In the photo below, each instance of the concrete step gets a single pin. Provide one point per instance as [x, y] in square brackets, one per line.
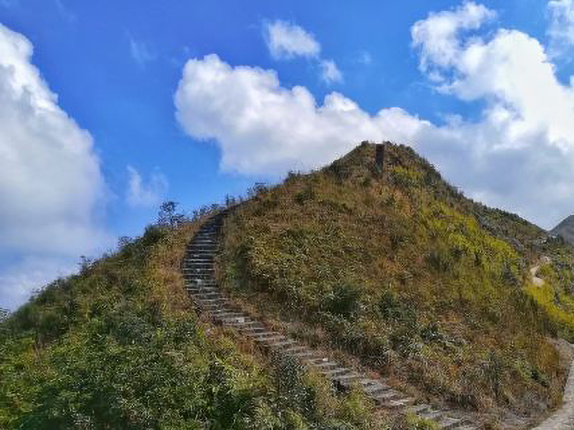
[449, 423]
[190, 262]
[207, 307]
[375, 391]
[198, 276]
[227, 310]
[198, 265]
[251, 331]
[302, 355]
[416, 409]
[201, 290]
[202, 247]
[212, 301]
[347, 377]
[264, 335]
[191, 269]
[373, 385]
[430, 414]
[199, 272]
[389, 394]
[206, 295]
[334, 371]
[206, 283]
[249, 323]
[201, 254]
[202, 283]
[269, 340]
[326, 365]
[284, 344]
[201, 251]
[190, 253]
[294, 349]
[318, 360]
[198, 279]
[397, 404]
[223, 313]
[214, 306]
[227, 319]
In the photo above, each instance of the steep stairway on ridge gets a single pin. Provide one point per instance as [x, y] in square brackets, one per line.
[199, 274]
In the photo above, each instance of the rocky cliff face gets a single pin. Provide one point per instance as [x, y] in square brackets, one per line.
[565, 229]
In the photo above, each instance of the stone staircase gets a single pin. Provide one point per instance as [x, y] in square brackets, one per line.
[198, 269]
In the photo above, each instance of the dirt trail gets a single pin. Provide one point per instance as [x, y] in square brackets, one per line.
[563, 418]
[539, 282]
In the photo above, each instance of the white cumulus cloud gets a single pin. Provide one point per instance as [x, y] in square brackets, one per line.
[30, 273]
[517, 155]
[286, 40]
[330, 73]
[438, 36]
[263, 127]
[51, 186]
[145, 194]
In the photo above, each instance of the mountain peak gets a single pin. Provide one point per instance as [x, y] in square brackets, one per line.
[565, 229]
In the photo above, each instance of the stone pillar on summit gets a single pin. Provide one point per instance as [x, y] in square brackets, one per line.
[380, 156]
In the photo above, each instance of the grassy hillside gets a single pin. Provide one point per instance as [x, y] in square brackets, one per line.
[118, 347]
[556, 296]
[401, 273]
[396, 272]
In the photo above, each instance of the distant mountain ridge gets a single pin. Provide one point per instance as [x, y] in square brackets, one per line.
[565, 229]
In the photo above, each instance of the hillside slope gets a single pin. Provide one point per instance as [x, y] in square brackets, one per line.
[402, 274]
[119, 346]
[393, 273]
[565, 229]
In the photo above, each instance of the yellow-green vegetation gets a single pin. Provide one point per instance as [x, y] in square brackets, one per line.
[403, 273]
[119, 347]
[556, 295]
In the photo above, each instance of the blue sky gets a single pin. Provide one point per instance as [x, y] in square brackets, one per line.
[268, 87]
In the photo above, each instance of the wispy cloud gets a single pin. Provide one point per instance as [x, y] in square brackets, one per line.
[560, 27]
[286, 40]
[365, 58]
[65, 12]
[330, 73]
[140, 51]
[142, 194]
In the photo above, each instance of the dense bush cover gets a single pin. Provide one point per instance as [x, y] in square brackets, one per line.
[403, 273]
[118, 347]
